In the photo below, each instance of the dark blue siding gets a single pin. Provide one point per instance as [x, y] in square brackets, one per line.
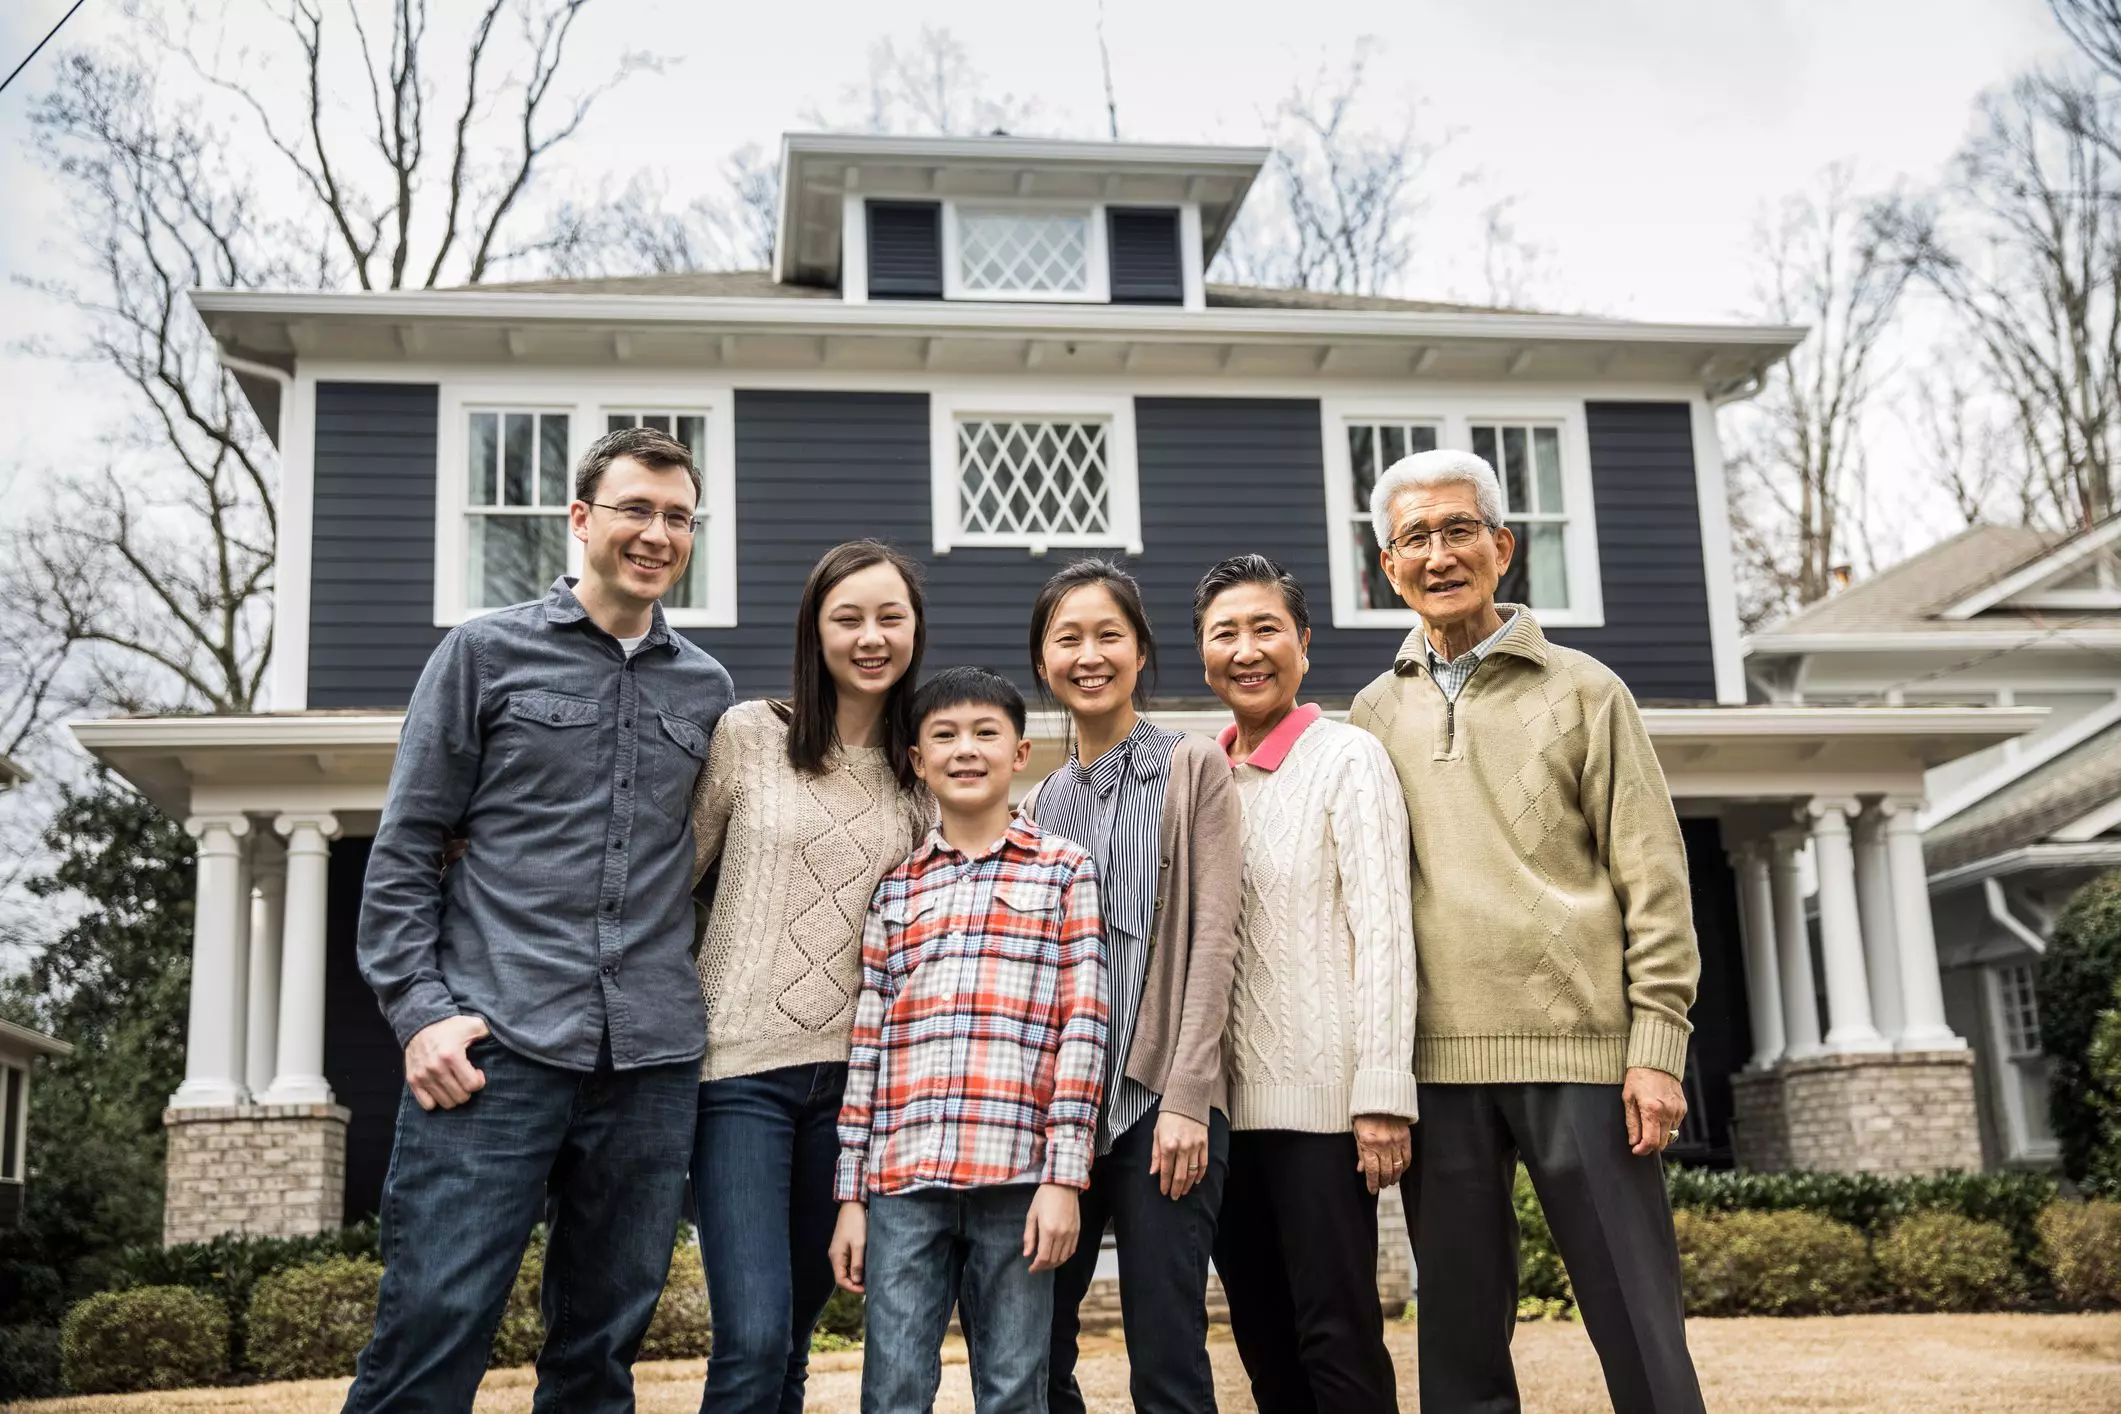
[371, 579]
[1218, 476]
[905, 249]
[1143, 253]
[1656, 633]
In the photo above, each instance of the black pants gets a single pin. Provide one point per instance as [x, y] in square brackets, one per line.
[1164, 1247]
[1611, 1220]
[1297, 1251]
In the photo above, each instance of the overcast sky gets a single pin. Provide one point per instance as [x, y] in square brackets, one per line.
[1641, 137]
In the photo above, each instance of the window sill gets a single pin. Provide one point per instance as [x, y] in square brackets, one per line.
[676, 618]
[1038, 546]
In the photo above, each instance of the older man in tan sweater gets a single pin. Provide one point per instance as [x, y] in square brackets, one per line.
[1555, 956]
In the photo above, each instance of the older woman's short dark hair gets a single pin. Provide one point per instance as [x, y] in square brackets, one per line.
[1249, 569]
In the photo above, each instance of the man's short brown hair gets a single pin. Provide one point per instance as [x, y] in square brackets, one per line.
[658, 451]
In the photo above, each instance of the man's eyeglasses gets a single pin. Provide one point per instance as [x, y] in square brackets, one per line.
[640, 517]
[1452, 535]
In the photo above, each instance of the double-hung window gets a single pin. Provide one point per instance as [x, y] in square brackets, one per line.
[1034, 472]
[508, 453]
[1542, 462]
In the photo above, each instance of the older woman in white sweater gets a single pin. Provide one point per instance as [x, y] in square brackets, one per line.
[1321, 1039]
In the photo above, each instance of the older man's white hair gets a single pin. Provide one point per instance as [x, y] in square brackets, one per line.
[1424, 470]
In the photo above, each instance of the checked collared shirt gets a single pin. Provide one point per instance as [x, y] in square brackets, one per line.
[979, 1035]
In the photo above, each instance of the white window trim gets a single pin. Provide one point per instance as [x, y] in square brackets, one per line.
[1097, 287]
[1454, 418]
[1122, 478]
[21, 1121]
[2018, 1142]
[586, 406]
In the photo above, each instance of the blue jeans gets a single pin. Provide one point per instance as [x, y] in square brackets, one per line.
[762, 1162]
[1164, 1246]
[600, 1155]
[938, 1247]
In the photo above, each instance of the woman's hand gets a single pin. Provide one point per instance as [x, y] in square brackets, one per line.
[1384, 1146]
[1179, 1155]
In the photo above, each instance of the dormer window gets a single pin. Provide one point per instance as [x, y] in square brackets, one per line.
[1025, 253]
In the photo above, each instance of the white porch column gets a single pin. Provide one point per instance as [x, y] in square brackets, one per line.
[213, 1075]
[1756, 918]
[268, 873]
[1921, 988]
[1848, 988]
[1793, 948]
[299, 1076]
[1874, 904]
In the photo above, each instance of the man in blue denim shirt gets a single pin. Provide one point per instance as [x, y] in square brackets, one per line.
[542, 987]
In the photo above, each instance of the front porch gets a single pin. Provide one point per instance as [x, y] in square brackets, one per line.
[1826, 1053]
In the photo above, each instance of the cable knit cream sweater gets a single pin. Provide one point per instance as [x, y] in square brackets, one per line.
[781, 962]
[1322, 1016]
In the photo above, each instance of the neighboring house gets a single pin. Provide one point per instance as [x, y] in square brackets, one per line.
[12, 776]
[998, 353]
[19, 1048]
[1995, 616]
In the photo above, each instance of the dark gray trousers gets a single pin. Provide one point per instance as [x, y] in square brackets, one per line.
[1611, 1220]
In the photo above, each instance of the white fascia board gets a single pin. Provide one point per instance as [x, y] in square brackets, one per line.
[876, 147]
[2094, 854]
[2056, 561]
[294, 731]
[13, 1036]
[1741, 723]
[1967, 641]
[940, 318]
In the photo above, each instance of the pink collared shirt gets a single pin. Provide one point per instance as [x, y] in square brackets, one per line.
[1276, 747]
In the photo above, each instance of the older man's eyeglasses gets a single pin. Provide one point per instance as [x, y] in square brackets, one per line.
[640, 517]
[1452, 535]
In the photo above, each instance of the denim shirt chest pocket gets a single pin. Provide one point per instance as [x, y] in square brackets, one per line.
[551, 741]
[672, 751]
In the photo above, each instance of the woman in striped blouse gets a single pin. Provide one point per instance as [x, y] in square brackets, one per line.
[1159, 813]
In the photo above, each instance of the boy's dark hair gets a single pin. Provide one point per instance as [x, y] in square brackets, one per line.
[954, 687]
[1249, 569]
[1125, 593]
[813, 712]
[658, 451]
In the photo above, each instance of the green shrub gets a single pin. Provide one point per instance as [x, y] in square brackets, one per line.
[841, 1326]
[2081, 1243]
[309, 1323]
[1871, 1203]
[1540, 1274]
[2078, 974]
[151, 1337]
[1944, 1262]
[228, 1267]
[29, 1362]
[681, 1329]
[1772, 1264]
[2102, 1172]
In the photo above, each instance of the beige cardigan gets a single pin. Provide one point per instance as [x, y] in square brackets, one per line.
[1177, 1049]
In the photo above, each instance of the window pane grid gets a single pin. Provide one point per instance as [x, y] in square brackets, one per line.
[517, 486]
[1037, 252]
[2021, 1009]
[1372, 447]
[690, 429]
[1022, 477]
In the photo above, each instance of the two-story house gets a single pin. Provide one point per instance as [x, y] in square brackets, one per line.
[997, 353]
[1995, 616]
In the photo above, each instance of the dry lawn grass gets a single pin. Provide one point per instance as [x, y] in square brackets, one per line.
[1830, 1365]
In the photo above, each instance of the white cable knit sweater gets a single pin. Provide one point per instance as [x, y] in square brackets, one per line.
[1322, 1016]
[781, 963]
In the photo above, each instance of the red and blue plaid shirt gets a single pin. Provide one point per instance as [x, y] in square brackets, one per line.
[979, 1036]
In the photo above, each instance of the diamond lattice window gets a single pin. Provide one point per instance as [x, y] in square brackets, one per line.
[1023, 252]
[1023, 479]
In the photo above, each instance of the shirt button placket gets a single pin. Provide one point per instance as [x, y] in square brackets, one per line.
[619, 831]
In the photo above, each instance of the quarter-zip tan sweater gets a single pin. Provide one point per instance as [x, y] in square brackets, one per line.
[1553, 923]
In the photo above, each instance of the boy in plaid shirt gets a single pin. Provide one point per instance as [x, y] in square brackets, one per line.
[970, 1115]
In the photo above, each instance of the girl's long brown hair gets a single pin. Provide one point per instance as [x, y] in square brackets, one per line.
[812, 713]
